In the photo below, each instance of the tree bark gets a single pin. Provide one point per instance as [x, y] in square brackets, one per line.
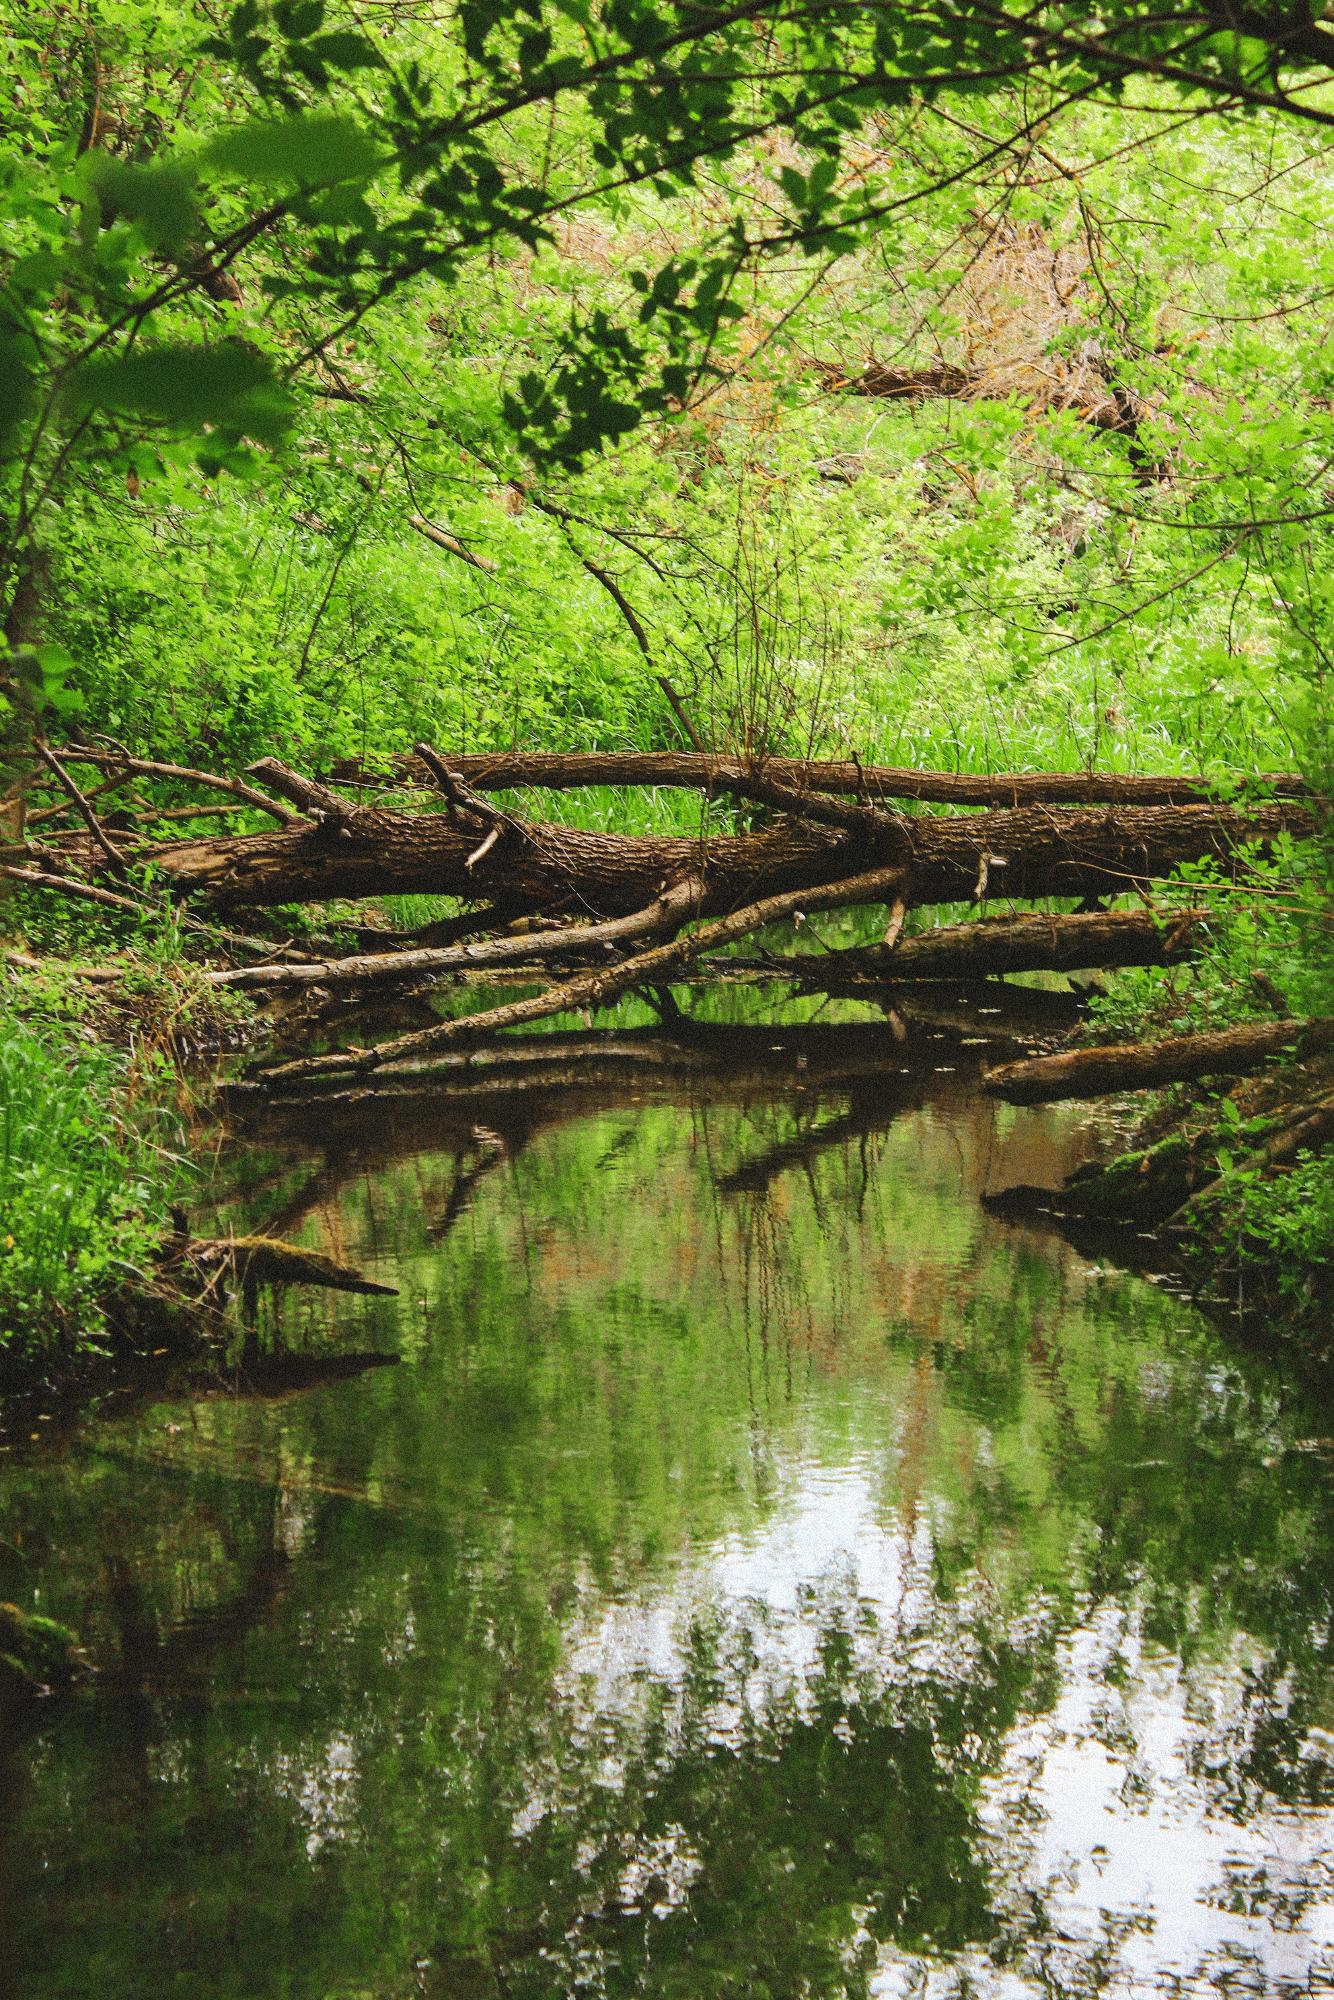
[695, 771]
[1029, 852]
[1146, 1065]
[567, 940]
[995, 946]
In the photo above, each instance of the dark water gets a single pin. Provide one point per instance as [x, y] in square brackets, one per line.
[763, 1575]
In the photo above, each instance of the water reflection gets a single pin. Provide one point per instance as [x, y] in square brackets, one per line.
[764, 1575]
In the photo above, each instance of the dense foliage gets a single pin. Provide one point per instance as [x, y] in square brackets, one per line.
[85, 1172]
[589, 293]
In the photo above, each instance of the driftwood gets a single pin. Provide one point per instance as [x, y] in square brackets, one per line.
[1099, 1072]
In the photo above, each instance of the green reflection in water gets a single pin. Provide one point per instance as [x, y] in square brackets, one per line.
[763, 1575]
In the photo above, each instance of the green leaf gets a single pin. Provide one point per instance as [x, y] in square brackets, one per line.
[16, 390]
[229, 387]
[298, 18]
[345, 50]
[160, 199]
[314, 149]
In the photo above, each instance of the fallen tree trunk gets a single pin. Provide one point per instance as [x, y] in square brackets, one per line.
[992, 946]
[596, 989]
[684, 770]
[1186, 1176]
[492, 954]
[1099, 1072]
[1024, 853]
[1090, 394]
[995, 946]
[1309, 1133]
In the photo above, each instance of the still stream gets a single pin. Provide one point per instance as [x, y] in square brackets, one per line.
[762, 1574]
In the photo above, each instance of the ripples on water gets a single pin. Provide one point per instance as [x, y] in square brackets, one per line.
[763, 1575]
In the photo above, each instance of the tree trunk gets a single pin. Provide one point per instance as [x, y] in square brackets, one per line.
[1022, 853]
[692, 771]
[995, 946]
[1146, 1065]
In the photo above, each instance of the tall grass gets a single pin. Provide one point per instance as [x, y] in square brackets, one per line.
[85, 1180]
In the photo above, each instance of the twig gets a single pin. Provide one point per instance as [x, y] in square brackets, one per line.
[35, 878]
[479, 854]
[450, 543]
[113, 854]
[121, 760]
[682, 714]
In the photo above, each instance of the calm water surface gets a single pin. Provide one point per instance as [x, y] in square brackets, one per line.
[762, 1575]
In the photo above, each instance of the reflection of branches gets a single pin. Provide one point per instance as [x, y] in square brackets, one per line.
[867, 1113]
[467, 1179]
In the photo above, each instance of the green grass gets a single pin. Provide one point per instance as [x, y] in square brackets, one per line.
[85, 1181]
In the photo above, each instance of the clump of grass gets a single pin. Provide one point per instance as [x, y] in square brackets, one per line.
[86, 1177]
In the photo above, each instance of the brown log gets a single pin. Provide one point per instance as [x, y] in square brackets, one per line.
[1099, 1072]
[597, 989]
[695, 771]
[1031, 852]
[1090, 395]
[998, 945]
[666, 912]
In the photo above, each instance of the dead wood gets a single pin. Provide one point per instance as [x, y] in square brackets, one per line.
[81, 806]
[1309, 1133]
[265, 1260]
[596, 989]
[1030, 852]
[990, 947]
[450, 543]
[666, 912]
[698, 771]
[38, 878]
[1089, 392]
[1099, 1072]
[121, 762]
[995, 946]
